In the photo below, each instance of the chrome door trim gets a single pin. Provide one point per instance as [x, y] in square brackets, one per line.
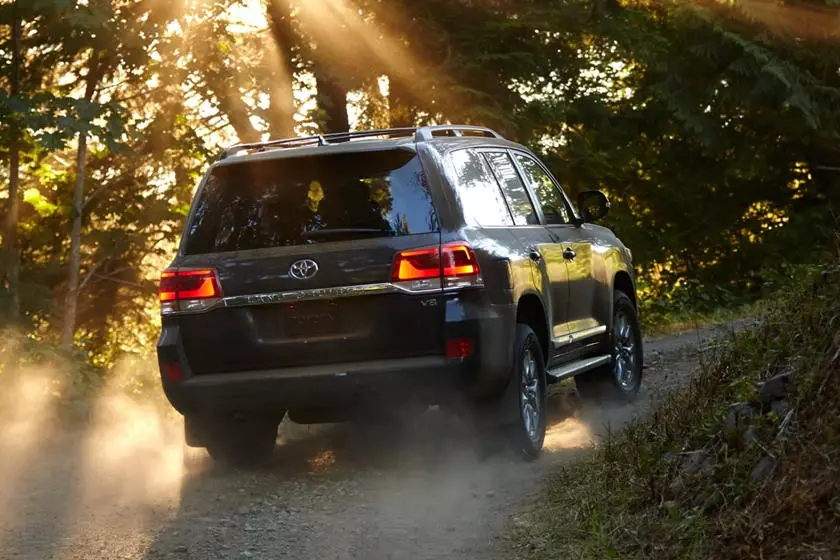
[579, 335]
[586, 333]
[561, 340]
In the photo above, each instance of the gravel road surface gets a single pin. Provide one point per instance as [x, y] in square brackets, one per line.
[126, 488]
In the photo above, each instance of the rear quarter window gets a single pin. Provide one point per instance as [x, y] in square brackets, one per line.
[295, 201]
[478, 193]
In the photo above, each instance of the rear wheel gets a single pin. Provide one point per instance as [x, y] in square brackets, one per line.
[621, 379]
[235, 441]
[529, 375]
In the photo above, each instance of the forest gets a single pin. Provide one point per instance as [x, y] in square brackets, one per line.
[712, 126]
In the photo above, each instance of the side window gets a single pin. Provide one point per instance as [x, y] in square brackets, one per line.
[517, 197]
[552, 201]
[478, 192]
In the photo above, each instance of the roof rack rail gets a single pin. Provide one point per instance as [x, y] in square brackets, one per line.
[421, 134]
[426, 133]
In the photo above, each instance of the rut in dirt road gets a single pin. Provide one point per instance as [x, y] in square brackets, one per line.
[423, 490]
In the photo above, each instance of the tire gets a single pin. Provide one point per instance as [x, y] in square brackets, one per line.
[620, 380]
[242, 442]
[529, 376]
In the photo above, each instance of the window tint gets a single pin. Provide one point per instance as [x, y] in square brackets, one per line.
[478, 192]
[517, 197]
[297, 201]
[548, 195]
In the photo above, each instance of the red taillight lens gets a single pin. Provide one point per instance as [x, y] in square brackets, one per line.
[416, 265]
[190, 286]
[452, 261]
[197, 284]
[459, 260]
[168, 286]
[458, 348]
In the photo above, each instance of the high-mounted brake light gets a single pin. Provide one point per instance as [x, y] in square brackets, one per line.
[452, 266]
[188, 290]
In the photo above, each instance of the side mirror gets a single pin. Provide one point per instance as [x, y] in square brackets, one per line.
[593, 205]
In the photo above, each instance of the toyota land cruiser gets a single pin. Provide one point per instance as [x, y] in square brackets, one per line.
[345, 273]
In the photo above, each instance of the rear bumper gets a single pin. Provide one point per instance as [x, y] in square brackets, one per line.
[335, 385]
[429, 379]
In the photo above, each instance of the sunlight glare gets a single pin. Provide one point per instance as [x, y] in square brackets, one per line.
[571, 433]
[247, 16]
[348, 38]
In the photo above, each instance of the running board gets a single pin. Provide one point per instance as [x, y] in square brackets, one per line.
[578, 366]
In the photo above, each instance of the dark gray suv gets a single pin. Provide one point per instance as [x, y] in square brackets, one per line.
[335, 276]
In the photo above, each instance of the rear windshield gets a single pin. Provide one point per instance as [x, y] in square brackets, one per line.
[316, 199]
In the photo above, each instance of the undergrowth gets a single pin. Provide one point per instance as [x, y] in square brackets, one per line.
[632, 499]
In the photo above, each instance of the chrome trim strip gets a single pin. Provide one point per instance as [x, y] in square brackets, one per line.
[586, 333]
[336, 292]
[561, 341]
[580, 366]
[579, 335]
[313, 294]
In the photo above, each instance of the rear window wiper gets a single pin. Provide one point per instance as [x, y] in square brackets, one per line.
[327, 232]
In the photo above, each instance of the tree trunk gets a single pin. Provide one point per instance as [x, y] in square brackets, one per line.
[237, 113]
[282, 100]
[332, 100]
[96, 69]
[10, 241]
[68, 328]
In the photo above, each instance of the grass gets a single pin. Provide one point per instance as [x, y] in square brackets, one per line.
[631, 498]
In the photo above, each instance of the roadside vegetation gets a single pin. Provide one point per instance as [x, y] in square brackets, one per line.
[741, 464]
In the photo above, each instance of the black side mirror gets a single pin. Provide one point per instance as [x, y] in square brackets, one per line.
[593, 205]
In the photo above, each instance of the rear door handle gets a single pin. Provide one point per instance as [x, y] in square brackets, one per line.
[535, 256]
[569, 254]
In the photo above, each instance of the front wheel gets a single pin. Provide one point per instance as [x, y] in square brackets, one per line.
[621, 379]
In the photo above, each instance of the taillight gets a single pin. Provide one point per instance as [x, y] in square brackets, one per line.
[416, 265]
[459, 260]
[450, 267]
[188, 290]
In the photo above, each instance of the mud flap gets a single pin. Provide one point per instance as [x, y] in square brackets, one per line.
[195, 432]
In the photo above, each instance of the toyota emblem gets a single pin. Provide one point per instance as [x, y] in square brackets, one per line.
[303, 269]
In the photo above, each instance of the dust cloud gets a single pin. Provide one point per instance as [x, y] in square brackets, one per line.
[117, 457]
[28, 419]
[133, 448]
[571, 433]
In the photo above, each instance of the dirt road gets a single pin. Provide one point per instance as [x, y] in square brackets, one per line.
[126, 488]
